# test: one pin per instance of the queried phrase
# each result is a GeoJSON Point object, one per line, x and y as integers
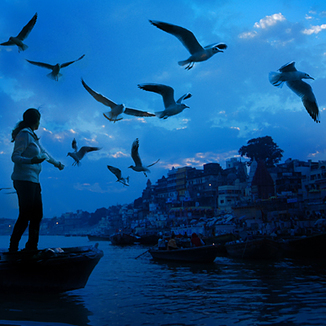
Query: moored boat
{"type": "Point", "coordinates": [203, 254]}
{"type": "Point", "coordinates": [48, 270]}
{"type": "Point", "coordinates": [313, 246]}
{"type": "Point", "coordinates": [123, 239]}
{"type": "Point", "coordinates": [259, 248]}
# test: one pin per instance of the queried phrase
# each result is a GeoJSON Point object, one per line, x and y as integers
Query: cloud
{"type": "Point", "coordinates": [11, 87]}
{"type": "Point", "coordinates": [264, 25]}
{"type": "Point", "coordinates": [270, 21]}
{"type": "Point", "coordinates": [314, 29]}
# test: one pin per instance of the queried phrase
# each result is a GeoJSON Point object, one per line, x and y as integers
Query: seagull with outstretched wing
{"type": "Point", "coordinates": [116, 109]}
{"type": "Point", "coordinates": [138, 167]}
{"type": "Point", "coordinates": [55, 73]}
{"type": "Point", "coordinates": [293, 78]}
{"type": "Point", "coordinates": [77, 155]}
{"type": "Point", "coordinates": [188, 39]}
{"type": "Point", "coordinates": [171, 106]}
{"type": "Point", "coordinates": [18, 40]}
{"type": "Point", "coordinates": [118, 174]}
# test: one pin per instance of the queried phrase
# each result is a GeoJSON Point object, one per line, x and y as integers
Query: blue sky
{"type": "Point", "coordinates": [232, 100]}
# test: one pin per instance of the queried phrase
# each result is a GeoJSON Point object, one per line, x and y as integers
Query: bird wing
{"type": "Point", "coordinates": [86, 149]}
{"type": "Point", "coordinates": [134, 152]}
{"type": "Point", "coordinates": [166, 92]}
{"type": "Point", "coordinates": [153, 163]}
{"type": "Point", "coordinates": [27, 28]}
{"type": "Point", "coordinates": [221, 46]}
{"type": "Point", "coordinates": [7, 43]}
{"type": "Point", "coordinates": [184, 97]}
{"type": "Point", "coordinates": [70, 62]}
{"type": "Point", "coordinates": [304, 91]}
{"type": "Point", "coordinates": [288, 67]}
{"type": "Point", "coordinates": [115, 171]}
{"type": "Point", "coordinates": [138, 113]}
{"type": "Point", "coordinates": [41, 64]}
{"type": "Point", "coordinates": [186, 37]}
{"type": "Point", "coordinates": [98, 97]}
{"type": "Point", "coordinates": [74, 144]}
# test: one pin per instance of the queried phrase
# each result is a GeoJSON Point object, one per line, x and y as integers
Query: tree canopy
{"type": "Point", "coordinates": [262, 148]}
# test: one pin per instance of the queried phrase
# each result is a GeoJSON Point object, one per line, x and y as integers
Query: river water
{"type": "Point", "coordinates": [123, 290]}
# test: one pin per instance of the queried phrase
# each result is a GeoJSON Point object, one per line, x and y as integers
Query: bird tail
{"type": "Point", "coordinates": [54, 76]}
{"type": "Point", "coordinates": [160, 114]}
{"type": "Point", "coordinates": [275, 79]}
{"type": "Point", "coordinates": [183, 62]}
{"type": "Point", "coordinates": [22, 47]}
{"type": "Point", "coordinates": [109, 116]}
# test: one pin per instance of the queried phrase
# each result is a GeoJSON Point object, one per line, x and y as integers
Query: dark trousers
{"type": "Point", "coordinates": [30, 212]}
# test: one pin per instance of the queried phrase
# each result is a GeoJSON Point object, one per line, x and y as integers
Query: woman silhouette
{"type": "Point", "coordinates": [27, 157]}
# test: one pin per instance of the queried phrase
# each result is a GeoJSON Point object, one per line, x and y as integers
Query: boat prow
{"type": "Point", "coordinates": [48, 270]}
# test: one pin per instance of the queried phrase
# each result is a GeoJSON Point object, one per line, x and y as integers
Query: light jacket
{"type": "Point", "coordinates": [26, 147]}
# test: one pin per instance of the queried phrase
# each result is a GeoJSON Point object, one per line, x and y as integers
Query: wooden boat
{"type": "Point", "coordinates": [260, 248]}
{"type": "Point", "coordinates": [203, 254]}
{"type": "Point", "coordinates": [123, 239]}
{"type": "Point", "coordinates": [313, 246]}
{"type": "Point", "coordinates": [48, 270]}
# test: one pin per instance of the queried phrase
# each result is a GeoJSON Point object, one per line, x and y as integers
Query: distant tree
{"type": "Point", "coordinates": [262, 148]}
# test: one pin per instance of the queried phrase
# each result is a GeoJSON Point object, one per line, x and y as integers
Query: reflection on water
{"type": "Point", "coordinates": [123, 290]}
{"type": "Point", "coordinates": [42, 308]}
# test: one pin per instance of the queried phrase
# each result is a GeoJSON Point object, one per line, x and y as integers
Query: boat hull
{"type": "Point", "coordinates": [254, 249]}
{"type": "Point", "coordinates": [123, 239]}
{"type": "Point", "coordinates": [203, 254]}
{"type": "Point", "coordinates": [47, 270]}
{"type": "Point", "coordinates": [313, 246]}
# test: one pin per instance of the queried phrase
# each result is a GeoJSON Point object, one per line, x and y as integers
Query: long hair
{"type": "Point", "coordinates": [30, 118]}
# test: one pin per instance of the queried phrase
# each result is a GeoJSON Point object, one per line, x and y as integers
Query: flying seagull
{"type": "Point", "coordinates": [171, 106]}
{"type": "Point", "coordinates": [139, 167]}
{"type": "Point", "coordinates": [78, 155]}
{"type": "Point", "coordinates": [293, 78]}
{"type": "Point", "coordinates": [55, 73]}
{"type": "Point", "coordinates": [188, 39]}
{"type": "Point", "coordinates": [116, 109]}
{"type": "Point", "coordinates": [118, 174]}
{"type": "Point", "coordinates": [18, 40]}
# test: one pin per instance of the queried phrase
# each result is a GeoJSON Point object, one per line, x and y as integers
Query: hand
{"type": "Point", "coordinates": [36, 160]}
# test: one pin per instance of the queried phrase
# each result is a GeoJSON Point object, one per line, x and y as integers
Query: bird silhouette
{"type": "Point", "coordinates": [118, 174]}
{"type": "Point", "coordinates": [171, 106]}
{"type": "Point", "coordinates": [138, 167]}
{"type": "Point", "coordinates": [293, 78]}
{"type": "Point", "coordinates": [18, 40]}
{"type": "Point", "coordinates": [188, 39]}
{"type": "Point", "coordinates": [55, 73]}
{"type": "Point", "coordinates": [116, 109]}
{"type": "Point", "coordinates": [77, 155]}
